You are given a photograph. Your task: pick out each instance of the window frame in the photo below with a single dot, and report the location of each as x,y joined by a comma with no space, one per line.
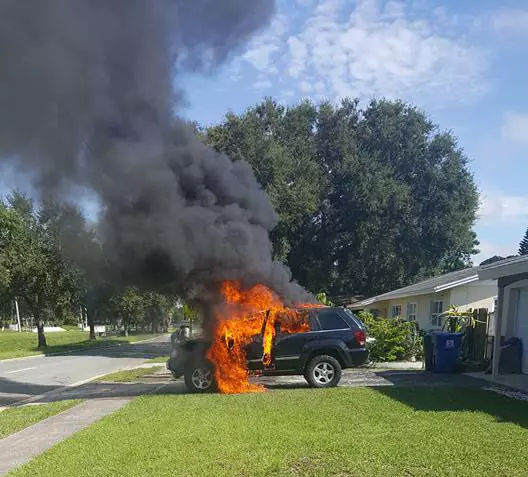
436,319
414,314
393,307
320,320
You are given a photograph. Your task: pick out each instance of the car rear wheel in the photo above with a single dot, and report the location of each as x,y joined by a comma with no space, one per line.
323,371
200,378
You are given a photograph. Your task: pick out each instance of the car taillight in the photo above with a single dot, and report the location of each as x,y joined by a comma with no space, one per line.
360,337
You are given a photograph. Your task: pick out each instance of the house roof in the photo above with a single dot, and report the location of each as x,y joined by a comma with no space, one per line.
510,266
431,285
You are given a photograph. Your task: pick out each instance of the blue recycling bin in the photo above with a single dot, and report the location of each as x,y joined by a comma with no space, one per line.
446,350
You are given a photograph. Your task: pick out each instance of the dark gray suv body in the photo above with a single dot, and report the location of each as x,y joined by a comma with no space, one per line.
336,340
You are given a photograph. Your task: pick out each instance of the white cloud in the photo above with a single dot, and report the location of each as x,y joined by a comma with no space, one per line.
501,209
515,128
260,57
511,22
319,87
262,84
372,48
263,49
298,56
395,9
379,52
305,87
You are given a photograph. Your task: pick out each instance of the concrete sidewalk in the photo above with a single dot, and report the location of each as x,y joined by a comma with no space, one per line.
21,447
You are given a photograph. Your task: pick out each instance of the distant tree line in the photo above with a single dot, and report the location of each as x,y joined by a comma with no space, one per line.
52,263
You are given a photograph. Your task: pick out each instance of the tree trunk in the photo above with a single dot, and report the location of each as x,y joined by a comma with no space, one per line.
92,327
40,333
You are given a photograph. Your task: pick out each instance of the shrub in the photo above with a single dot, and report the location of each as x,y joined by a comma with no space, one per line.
394,340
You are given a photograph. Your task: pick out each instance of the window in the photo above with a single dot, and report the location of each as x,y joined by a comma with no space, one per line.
355,319
437,307
330,320
294,322
411,311
396,311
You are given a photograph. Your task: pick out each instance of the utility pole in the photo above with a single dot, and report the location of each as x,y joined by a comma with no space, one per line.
18,316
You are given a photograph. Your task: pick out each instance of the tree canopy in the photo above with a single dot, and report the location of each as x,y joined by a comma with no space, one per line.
369,199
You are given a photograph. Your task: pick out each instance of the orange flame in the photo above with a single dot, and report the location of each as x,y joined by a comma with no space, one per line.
245,315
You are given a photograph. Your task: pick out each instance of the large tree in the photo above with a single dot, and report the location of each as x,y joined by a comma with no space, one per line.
369,199
523,246
41,255
37,274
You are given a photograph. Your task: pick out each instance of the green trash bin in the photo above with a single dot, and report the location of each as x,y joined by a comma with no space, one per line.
428,351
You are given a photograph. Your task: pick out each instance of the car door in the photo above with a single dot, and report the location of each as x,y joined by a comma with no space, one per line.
255,348
254,353
287,347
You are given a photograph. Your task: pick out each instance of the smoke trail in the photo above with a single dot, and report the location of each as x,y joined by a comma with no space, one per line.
89,97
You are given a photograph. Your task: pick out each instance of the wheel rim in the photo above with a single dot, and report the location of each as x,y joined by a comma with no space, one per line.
323,373
202,378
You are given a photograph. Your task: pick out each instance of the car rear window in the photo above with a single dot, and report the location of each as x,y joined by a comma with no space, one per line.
355,319
330,320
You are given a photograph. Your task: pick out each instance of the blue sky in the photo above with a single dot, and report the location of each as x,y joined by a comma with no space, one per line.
465,62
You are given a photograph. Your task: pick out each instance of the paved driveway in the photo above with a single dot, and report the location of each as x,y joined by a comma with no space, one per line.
374,378
161,382
354,378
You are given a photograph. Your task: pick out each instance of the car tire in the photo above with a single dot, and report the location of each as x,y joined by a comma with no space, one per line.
199,378
323,371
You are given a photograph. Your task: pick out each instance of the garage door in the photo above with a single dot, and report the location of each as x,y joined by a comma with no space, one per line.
522,324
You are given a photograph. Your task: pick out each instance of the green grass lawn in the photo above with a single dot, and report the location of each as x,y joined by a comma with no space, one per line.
18,418
128,375
16,345
337,432
158,359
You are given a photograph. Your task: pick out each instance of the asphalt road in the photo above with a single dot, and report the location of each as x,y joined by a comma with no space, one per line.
26,378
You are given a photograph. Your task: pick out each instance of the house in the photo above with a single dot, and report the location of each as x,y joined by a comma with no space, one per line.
511,317
424,302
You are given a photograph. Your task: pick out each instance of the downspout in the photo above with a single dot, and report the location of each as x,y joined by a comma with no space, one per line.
498,333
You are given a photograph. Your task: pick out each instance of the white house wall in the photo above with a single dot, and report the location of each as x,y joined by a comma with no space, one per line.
423,307
471,296
480,294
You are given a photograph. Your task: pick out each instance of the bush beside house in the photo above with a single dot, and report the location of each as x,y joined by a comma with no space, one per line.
394,339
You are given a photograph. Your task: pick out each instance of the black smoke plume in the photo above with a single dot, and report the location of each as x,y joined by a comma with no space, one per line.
89,98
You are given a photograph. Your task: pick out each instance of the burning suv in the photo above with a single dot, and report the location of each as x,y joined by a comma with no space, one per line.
326,341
